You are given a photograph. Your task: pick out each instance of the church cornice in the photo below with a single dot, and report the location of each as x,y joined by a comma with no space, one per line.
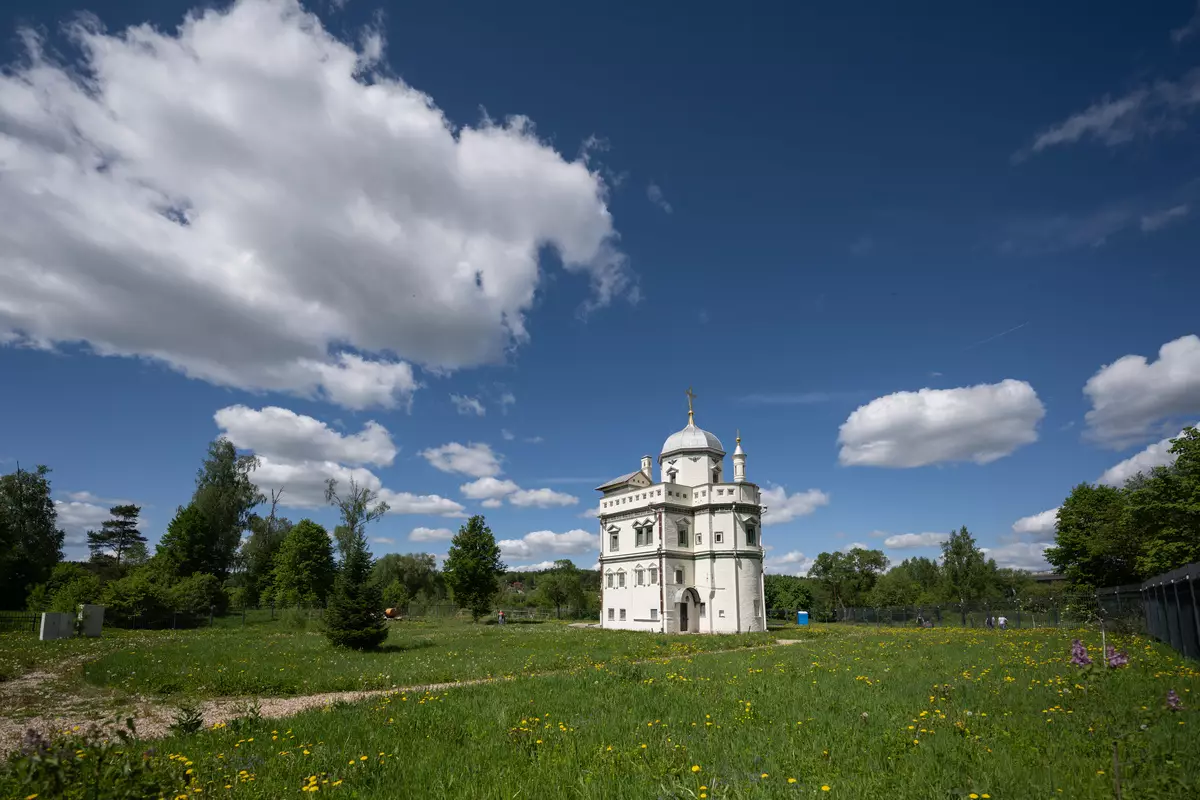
622,516
681,555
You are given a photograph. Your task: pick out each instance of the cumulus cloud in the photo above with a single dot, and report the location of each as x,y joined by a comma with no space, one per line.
980,423
431,535
540,566
541,498
488,489
474,460
493,491
1156,455
1112,121
287,435
281,211
1021,555
507,435
547,544
591,513
468,405
904,541
784,507
299,454
792,563
88,497
76,518
1041,525
1133,398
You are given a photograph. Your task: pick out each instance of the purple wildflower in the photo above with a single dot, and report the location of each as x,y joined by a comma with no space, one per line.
1079,654
1173,701
1116,659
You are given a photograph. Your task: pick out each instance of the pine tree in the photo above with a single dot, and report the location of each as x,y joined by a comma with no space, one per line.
354,617
118,534
473,566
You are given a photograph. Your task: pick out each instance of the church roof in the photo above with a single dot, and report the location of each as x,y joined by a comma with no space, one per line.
621,481
692,438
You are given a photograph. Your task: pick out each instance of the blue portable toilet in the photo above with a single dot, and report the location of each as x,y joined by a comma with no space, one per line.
801,617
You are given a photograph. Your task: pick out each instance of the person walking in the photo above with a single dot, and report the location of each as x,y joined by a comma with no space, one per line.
989,623
1003,621
501,617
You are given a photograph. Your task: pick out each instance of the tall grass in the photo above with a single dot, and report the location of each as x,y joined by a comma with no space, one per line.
893,714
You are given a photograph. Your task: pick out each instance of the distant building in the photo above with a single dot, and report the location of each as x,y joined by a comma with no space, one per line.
683,554
1048,577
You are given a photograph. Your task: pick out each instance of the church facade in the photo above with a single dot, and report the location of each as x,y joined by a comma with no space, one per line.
683,553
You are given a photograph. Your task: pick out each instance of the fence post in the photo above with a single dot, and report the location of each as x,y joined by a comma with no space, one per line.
1195,611
1057,622
1182,646
173,615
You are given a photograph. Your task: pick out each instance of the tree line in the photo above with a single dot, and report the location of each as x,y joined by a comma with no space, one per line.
864,578
1114,536
219,551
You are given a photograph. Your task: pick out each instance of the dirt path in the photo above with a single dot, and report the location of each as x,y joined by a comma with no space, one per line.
154,720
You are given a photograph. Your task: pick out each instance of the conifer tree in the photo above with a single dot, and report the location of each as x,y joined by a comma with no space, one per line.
473,566
117,535
354,617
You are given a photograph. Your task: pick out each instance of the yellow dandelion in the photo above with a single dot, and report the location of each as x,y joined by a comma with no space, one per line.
973,796
765,775
824,788
695,767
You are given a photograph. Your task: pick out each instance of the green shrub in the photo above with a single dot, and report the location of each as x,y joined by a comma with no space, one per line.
198,594
83,589
111,767
140,598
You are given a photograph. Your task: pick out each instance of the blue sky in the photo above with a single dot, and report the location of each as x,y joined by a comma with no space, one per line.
935,268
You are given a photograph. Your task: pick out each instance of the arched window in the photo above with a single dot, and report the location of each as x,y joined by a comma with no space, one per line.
639,577
683,535
609,580
621,579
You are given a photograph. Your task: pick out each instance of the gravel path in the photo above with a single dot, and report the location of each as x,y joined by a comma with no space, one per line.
154,720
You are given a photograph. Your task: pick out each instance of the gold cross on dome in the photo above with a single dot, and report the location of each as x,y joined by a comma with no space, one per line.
690,396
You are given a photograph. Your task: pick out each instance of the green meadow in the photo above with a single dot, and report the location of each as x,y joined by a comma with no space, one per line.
844,712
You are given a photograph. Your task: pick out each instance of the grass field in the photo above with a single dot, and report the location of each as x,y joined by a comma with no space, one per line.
847,712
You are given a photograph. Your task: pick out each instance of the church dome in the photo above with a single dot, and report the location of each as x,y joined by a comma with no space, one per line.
692,438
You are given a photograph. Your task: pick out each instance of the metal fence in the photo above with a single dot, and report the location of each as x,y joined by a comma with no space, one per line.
1172,614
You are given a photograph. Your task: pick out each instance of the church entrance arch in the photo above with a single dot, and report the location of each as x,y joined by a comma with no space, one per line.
688,608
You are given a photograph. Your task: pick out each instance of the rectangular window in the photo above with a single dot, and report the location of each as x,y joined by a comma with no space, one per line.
610,580
611,614
703,610
654,613
653,575
620,580
720,613
718,537
679,576
639,576
613,542
637,537
683,537
622,615
699,538
751,536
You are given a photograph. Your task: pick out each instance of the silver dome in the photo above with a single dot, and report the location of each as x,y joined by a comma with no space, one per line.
692,438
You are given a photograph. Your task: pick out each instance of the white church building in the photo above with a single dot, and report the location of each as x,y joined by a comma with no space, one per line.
683,554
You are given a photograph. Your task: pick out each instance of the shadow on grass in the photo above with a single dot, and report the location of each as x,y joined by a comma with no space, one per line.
403,647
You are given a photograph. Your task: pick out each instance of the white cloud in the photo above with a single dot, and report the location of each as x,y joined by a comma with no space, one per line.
1156,455
913,429
285,434
540,566
1145,111
493,490
792,563
782,507
507,435
468,405
488,488
541,498
88,497
75,519
408,503
1039,525
654,194
280,209
304,486
1021,555
854,546
431,535
1161,219
542,544
1188,29
507,399
475,460
1132,398
904,541
382,540
591,513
